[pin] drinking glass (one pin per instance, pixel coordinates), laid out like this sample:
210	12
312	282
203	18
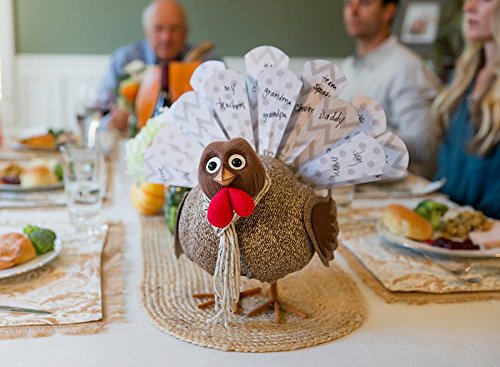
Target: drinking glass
84	104
84	182
343	195
90	107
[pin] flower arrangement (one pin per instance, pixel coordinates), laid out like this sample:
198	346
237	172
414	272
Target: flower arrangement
129	85
147	198
135	148
128	89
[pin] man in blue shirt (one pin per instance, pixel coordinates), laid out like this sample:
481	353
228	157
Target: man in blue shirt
165	28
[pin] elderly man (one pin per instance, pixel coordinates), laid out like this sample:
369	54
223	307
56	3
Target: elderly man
166	30
393	75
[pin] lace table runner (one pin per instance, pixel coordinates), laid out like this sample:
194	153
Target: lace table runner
399	274
82	287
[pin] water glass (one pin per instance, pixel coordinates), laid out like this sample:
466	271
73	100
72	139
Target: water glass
106	140
84	182
343	195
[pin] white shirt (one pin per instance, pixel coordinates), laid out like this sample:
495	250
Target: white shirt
399	80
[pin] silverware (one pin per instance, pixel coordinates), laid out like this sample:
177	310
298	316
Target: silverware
12	156
23	310
468	275
414	191
344	220
463	273
476	268
102	230
478	278
23	197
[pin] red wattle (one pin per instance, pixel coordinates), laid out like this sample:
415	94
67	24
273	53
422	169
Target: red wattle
220	212
241	202
220	209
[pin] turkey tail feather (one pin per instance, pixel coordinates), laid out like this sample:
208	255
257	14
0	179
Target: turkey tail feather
320	218
177	242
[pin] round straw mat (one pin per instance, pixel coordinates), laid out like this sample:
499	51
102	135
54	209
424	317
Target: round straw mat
334	304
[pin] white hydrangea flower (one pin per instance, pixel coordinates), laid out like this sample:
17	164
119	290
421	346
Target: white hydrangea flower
136	69
136	147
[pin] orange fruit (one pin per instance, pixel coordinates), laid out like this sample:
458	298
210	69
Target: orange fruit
147	198
128	90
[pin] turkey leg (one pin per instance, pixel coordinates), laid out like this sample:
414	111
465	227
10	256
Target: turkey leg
277	305
211	296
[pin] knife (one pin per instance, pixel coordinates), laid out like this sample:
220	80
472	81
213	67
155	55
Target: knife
23	310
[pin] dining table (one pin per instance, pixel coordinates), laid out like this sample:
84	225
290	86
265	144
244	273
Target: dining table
393	334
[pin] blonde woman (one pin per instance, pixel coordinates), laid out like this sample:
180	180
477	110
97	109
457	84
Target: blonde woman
468	112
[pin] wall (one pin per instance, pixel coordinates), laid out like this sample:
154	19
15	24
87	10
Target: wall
300	28
62	46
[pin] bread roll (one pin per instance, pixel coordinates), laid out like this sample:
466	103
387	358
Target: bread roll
405	222
37	176
15	249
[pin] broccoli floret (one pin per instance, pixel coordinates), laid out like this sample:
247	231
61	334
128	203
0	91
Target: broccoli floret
58	170
432	211
56	132
43	239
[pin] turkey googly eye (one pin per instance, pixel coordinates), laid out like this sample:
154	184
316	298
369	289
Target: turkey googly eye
213	165
237	162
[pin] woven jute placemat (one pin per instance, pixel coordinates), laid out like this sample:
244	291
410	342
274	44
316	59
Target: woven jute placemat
334	304
112	294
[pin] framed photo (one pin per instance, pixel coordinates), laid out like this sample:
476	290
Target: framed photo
420	22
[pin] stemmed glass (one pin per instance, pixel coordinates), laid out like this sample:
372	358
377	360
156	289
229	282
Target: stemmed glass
88	109
85	99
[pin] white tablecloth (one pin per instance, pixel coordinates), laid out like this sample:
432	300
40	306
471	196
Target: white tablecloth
466	334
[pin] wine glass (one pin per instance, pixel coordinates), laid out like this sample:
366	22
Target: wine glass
86	106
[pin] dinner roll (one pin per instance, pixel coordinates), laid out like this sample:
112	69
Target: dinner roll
15	248
403	221
37	176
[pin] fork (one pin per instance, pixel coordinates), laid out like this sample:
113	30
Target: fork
463	273
23	310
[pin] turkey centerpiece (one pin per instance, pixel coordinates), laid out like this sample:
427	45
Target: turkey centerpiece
255	148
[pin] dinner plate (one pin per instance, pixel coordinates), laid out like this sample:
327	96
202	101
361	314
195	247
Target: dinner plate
33	264
26	159
401	241
16	142
393	179
16	145
18	188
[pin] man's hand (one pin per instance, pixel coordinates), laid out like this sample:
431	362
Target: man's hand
119	119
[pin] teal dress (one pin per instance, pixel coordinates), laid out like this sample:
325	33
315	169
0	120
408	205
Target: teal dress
471	179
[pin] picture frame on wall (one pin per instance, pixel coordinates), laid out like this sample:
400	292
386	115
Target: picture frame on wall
420	22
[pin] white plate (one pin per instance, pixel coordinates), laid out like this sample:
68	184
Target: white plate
33	264
16	142
18	188
15	145
400	241
392	179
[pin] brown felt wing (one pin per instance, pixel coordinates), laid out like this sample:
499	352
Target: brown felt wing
320	219
177	242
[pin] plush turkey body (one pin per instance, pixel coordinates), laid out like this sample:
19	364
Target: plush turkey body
273	241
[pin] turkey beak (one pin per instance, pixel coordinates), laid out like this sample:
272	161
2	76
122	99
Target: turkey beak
224	177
